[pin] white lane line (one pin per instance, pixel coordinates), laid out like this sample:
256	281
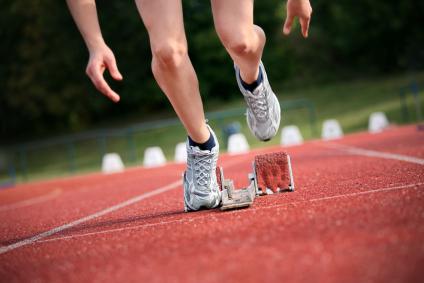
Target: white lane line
252	209
381	190
410	186
120	229
374	153
174	185
31	201
58	229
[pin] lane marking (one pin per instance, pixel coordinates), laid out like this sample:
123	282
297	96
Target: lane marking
381	190
209	216
375	153
31	201
171	186
58	229
120	229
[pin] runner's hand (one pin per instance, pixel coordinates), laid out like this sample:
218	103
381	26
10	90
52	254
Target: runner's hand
301	9
102	58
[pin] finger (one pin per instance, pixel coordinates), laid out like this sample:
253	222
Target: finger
304	22
113	69
102	86
288	24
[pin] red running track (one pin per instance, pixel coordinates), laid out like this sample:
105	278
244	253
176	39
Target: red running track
357	216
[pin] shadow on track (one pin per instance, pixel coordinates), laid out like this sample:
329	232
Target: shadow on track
117	223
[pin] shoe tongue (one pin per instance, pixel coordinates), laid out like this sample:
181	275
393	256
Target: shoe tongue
257	90
197	150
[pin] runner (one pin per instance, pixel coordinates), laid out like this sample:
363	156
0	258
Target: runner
175	75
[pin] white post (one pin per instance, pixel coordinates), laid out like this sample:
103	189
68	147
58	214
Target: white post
180	153
237	144
290	135
153	157
112	163
377	122
331	129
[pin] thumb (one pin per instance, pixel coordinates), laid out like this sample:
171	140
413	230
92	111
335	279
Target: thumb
288	24
113	69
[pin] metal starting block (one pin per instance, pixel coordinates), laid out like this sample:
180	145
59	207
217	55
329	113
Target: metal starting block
272	173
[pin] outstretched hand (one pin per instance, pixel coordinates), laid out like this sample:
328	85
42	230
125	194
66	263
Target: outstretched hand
102	58
301	9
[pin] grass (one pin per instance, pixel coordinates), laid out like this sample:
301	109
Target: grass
350	102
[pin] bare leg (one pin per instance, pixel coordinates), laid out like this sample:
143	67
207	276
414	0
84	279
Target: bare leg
171	65
243	40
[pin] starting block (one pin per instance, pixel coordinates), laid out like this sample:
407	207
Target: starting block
272	173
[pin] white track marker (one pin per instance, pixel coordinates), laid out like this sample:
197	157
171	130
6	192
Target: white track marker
377	122
153	157
31	201
237	144
180	153
112	163
252	209
374	153
53	231
331	130
290	135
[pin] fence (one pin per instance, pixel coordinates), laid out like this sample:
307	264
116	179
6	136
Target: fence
403	95
82	152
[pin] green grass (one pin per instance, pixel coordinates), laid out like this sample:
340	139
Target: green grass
350	102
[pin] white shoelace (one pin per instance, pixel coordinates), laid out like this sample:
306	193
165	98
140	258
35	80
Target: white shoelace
259	103
202	167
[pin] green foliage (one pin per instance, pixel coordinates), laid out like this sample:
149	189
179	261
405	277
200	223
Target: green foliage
44	90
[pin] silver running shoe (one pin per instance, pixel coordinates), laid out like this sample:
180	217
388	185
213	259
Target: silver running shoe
200	185
263	109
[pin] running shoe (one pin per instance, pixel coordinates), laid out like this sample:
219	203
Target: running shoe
263	109
201	190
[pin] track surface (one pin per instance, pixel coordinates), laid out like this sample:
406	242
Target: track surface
355	217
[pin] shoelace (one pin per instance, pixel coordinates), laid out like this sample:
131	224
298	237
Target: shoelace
259	104
202	167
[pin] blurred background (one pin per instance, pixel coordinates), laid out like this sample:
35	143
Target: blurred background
361	56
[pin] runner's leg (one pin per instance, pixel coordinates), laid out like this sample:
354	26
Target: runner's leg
243	40
171	65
